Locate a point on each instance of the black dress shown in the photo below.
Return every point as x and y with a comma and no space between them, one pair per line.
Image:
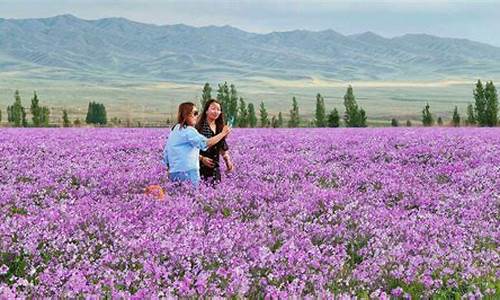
212,153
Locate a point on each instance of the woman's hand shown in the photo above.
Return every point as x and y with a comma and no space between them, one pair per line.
226,130
208,162
229,166
229,163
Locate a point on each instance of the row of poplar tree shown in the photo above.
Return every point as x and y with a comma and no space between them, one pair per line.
242,114
484,111
16,114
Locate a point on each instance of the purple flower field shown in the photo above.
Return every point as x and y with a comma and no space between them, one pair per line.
369,213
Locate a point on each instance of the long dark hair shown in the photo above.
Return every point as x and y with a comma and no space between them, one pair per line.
219,122
185,109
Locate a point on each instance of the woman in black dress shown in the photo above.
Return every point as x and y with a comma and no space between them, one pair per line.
209,124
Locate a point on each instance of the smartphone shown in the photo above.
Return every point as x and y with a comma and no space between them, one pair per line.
230,122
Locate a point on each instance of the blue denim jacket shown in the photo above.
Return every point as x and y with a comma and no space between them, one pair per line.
182,149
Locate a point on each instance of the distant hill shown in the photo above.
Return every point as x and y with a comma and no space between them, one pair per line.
66,47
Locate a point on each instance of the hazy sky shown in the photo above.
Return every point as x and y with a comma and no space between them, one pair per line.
476,20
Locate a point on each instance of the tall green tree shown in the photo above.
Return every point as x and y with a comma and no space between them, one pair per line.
471,117
17,113
394,122
334,118
44,116
0,116
90,118
491,110
480,103
362,118
280,119
10,116
354,116
264,117
351,108
36,110
96,114
456,118
408,123
103,119
232,110
427,119
206,94
294,114
320,111
40,114
223,97
252,117
66,122
243,114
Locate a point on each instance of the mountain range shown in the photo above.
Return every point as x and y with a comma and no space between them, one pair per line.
69,48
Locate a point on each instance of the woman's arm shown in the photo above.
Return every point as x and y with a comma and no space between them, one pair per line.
217,138
227,160
198,140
